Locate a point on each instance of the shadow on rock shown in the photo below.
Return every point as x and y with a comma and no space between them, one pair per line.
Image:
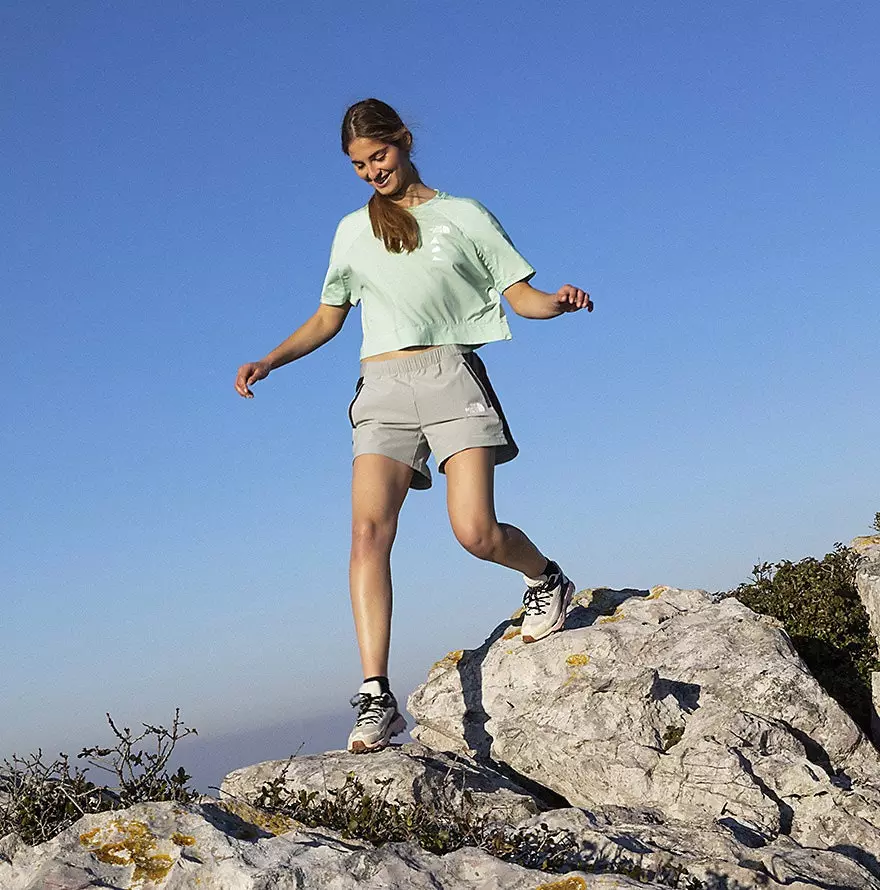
604,601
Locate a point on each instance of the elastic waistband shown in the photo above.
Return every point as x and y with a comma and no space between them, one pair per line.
420,360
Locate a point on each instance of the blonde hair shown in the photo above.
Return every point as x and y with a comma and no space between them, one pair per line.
374,119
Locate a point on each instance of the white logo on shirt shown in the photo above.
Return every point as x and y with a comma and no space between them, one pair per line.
436,244
473,408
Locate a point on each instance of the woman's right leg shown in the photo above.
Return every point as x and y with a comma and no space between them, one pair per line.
378,487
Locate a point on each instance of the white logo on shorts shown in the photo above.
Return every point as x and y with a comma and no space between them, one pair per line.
474,408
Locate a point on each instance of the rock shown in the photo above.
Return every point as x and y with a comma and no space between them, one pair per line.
726,855
174,847
868,586
697,709
868,580
413,774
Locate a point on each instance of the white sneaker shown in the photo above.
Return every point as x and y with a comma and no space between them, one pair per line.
377,721
546,603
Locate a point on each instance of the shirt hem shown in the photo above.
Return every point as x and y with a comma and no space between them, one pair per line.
466,335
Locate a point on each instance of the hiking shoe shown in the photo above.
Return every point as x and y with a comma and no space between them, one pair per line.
377,721
546,603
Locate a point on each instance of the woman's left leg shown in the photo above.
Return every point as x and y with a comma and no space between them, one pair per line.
470,501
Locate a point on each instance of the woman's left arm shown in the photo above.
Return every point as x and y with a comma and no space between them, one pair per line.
531,303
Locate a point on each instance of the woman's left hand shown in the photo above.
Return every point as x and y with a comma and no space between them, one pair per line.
570,298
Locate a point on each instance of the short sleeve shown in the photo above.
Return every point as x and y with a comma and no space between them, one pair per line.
503,261
336,290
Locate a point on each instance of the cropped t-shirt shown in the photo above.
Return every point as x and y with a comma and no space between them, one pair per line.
448,290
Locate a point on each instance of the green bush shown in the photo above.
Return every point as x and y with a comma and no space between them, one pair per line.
355,813
38,800
819,606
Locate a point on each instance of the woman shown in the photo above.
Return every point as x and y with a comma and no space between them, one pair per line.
429,269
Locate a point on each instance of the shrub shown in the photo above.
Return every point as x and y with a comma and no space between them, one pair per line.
355,813
38,800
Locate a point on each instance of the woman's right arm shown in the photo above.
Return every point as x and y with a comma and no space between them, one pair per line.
323,326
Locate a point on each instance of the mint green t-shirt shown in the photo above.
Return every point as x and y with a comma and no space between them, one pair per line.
448,290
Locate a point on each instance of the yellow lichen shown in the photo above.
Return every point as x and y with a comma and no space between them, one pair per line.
572,883
513,632
864,541
518,613
577,660
656,590
183,840
133,844
258,819
449,660
605,619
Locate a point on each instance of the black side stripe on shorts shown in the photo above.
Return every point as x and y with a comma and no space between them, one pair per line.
475,365
357,392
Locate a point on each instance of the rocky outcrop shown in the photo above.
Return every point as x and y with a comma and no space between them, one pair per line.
868,586
693,710
868,580
668,736
202,846
725,857
405,775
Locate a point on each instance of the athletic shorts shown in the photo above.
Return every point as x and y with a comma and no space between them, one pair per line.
439,401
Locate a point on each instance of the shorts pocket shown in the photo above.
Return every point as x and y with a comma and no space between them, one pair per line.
357,391
467,360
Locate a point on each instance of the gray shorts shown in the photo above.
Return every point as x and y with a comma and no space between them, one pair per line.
439,401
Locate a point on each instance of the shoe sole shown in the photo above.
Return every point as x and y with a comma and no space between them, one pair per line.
566,602
396,727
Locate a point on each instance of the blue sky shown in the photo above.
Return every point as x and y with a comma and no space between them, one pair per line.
172,177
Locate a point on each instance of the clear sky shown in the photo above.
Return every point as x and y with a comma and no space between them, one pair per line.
172,178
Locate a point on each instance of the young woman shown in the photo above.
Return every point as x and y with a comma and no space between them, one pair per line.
429,270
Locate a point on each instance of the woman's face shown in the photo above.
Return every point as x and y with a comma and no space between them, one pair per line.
385,167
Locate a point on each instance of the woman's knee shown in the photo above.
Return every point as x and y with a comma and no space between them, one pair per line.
370,536
479,537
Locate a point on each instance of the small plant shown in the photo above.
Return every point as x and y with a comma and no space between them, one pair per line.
38,800
142,775
876,524
819,606
672,736
440,829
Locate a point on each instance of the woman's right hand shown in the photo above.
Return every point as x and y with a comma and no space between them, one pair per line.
248,374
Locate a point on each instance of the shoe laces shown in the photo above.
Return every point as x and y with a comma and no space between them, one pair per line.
371,708
536,599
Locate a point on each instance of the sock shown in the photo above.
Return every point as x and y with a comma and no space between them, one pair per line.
550,569
382,681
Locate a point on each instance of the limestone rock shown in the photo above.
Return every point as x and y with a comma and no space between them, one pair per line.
668,700
412,773
173,847
726,855
868,580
